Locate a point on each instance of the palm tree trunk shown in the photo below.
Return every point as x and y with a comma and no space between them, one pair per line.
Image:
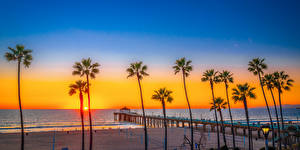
82,119
20,105
165,124
223,128
280,107
248,124
281,114
90,115
190,111
144,116
278,124
216,116
268,109
232,130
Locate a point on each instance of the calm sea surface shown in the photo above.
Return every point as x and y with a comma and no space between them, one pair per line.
50,120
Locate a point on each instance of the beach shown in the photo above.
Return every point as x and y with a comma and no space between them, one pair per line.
41,124
117,139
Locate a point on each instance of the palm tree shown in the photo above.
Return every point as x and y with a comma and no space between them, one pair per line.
282,82
269,81
212,77
181,65
81,87
226,77
218,105
88,69
24,56
257,67
162,95
139,70
240,94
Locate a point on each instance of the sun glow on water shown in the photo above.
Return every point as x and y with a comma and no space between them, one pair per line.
85,108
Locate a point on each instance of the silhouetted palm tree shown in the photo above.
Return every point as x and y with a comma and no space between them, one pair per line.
21,55
162,95
80,87
219,104
282,82
240,94
226,77
88,69
269,81
181,65
139,70
212,77
257,67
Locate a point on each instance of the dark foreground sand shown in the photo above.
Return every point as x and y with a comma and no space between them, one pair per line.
115,139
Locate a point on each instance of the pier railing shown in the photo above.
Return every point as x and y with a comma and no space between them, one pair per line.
157,122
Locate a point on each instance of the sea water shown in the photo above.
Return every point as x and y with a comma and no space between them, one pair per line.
39,120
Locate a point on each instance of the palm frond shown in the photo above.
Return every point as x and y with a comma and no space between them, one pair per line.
137,68
95,70
20,47
92,75
183,65
15,52
27,52
226,76
170,99
76,73
257,66
163,94
79,85
86,67
10,56
282,81
72,92
143,73
27,60
242,91
204,79
94,66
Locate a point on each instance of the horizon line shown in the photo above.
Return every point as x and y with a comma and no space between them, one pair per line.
129,108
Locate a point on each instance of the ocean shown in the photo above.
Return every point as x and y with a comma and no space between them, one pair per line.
40,120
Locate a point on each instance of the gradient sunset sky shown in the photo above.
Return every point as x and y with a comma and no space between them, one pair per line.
213,34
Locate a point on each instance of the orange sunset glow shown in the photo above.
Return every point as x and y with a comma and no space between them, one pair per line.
43,90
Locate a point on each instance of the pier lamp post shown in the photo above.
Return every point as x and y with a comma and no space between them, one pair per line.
265,129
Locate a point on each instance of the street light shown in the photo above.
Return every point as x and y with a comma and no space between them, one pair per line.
265,129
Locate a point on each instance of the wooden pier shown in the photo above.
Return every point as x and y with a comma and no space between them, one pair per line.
157,122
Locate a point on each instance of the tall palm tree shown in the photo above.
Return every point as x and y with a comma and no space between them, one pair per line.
80,87
240,94
282,82
161,95
89,70
269,81
181,65
21,55
227,77
139,70
212,77
257,67
218,105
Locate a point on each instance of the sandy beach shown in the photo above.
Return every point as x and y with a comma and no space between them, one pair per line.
115,139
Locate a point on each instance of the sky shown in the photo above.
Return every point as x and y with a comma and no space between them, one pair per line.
223,35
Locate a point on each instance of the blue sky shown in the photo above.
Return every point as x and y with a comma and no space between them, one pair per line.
213,34
209,32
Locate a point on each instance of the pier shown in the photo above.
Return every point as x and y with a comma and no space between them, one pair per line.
157,122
